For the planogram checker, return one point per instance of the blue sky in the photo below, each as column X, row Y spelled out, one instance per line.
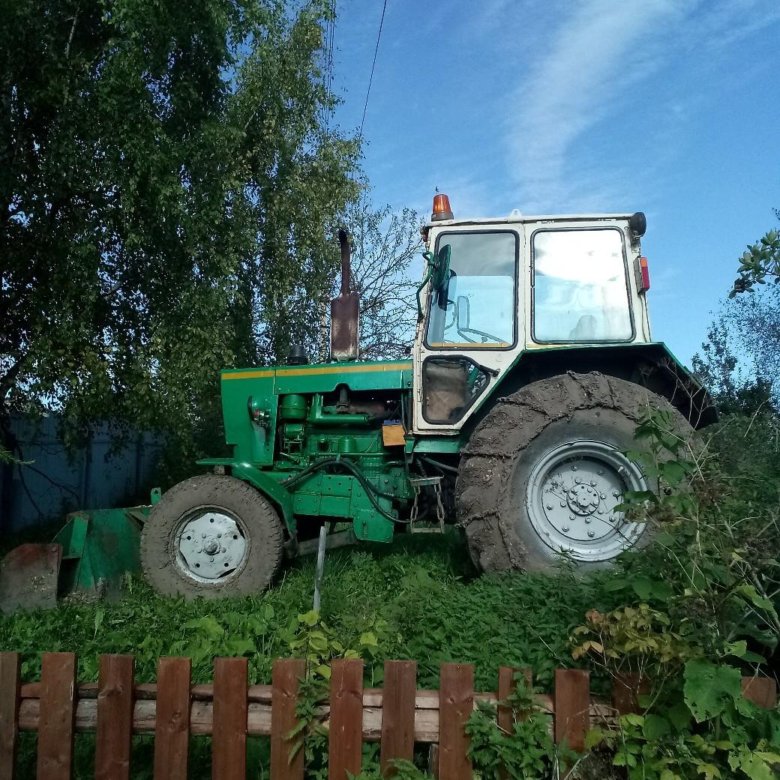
column 671, row 107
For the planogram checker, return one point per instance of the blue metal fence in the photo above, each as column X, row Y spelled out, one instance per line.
column 55, row 481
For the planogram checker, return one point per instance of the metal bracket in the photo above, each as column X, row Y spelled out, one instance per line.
column 418, row 483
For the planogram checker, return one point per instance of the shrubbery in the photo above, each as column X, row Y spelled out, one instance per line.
column 699, row 608
column 692, row 613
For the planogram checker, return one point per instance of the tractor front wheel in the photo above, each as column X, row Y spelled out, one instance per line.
column 211, row 536
column 545, row 472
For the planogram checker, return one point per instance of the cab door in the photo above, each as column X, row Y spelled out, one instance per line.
column 472, row 330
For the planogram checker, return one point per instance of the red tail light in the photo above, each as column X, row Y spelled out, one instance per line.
column 643, row 275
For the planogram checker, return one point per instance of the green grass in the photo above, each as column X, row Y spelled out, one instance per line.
column 419, row 597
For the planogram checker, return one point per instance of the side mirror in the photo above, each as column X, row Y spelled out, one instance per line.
column 441, row 269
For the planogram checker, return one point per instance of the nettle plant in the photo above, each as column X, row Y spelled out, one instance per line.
column 315, row 641
column 525, row 751
column 702, row 726
column 698, row 612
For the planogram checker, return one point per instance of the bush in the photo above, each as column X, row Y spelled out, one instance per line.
column 699, row 609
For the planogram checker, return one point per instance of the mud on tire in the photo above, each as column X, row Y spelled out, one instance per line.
column 519, row 497
column 211, row 536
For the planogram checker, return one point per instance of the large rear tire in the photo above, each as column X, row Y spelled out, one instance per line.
column 211, row 536
column 545, row 469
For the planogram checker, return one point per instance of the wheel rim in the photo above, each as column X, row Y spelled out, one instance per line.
column 572, row 494
column 211, row 545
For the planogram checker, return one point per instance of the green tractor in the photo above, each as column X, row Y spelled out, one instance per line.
column 531, row 366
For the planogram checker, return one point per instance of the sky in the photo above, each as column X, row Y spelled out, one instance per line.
column 671, row 107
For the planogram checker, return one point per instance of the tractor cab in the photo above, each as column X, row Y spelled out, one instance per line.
column 497, row 290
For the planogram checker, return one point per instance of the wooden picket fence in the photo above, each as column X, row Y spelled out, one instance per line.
column 229, row 709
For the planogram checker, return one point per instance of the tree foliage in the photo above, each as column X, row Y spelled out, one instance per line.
column 759, row 262
column 384, row 245
column 740, row 360
column 168, row 186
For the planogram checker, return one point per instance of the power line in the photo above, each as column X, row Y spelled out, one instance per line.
column 330, row 31
column 373, row 65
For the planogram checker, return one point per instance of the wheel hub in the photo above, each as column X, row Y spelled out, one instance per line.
column 572, row 498
column 583, row 499
column 210, row 546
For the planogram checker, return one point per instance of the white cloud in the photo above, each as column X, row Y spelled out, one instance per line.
column 589, row 61
column 583, row 71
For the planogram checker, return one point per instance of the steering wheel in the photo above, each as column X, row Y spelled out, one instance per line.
column 485, row 336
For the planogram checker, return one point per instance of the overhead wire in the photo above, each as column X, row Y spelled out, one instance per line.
column 373, row 66
column 330, row 34
column 330, row 37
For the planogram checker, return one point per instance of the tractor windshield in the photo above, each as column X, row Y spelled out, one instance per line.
column 475, row 307
column 580, row 288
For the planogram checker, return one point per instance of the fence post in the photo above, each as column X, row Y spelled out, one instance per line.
column 345, row 737
column 506, row 687
column 10, row 688
column 762, row 691
column 398, row 702
column 572, row 707
column 626, row 690
column 456, row 702
column 57, row 716
column 114, row 717
column 228, row 746
column 172, row 719
column 287, row 673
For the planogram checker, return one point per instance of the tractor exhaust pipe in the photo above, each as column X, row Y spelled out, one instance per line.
column 345, row 311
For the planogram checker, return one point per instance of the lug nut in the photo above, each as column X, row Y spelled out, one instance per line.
column 591, row 534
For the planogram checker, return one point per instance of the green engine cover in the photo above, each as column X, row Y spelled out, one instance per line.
column 278, row 424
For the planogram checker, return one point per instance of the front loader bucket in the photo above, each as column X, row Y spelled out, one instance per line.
column 92, row 552
column 28, row 577
column 99, row 547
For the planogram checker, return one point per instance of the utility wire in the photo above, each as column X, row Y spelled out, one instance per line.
column 373, row 65
column 330, row 33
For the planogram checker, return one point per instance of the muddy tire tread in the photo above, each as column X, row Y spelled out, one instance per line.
column 491, row 455
column 246, row 502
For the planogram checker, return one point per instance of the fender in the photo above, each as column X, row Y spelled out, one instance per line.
column 278, row 495
column 651, row 365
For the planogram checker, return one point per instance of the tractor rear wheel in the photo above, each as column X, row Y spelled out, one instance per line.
column 546, row 468
column 211, row 536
